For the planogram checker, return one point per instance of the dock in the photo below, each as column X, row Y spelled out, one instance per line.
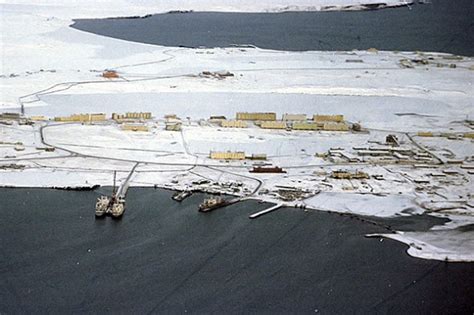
column 268, row 210
column 122, row 190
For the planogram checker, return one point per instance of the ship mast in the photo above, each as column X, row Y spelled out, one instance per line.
column 114, row 188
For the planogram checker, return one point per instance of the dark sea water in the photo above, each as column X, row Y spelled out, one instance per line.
column 165, row 257
column 442, row 26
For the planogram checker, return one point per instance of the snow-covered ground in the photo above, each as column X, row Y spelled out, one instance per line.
column 54, row 70
column 447, row 245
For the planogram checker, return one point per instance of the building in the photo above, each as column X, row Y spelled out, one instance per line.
column 233, row 124
column 171, row 116
column 217, row 119
column 19, row 147
column 348, row 175
column 333, row 126
column 12, row 116
column 381, row 152
column 81, row 118
column 273, row 125
column 47, row 149
column 392, row 140
column 294, row 117
column 307, row 126
column 260, row 156
column 173, row 126
column 333, row 118
column 356, row 127
column 38, row 118
column 354, row 61
column 131, row 115
column 256, row 116
column 227, row 155
column 274, row 169
column 135, row 127
column 110, row 74
column 424, row 134
column 138, row 115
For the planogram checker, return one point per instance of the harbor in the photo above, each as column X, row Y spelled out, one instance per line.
column 181, row 255
column 237, row 157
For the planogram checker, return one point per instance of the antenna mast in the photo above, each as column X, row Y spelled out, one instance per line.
column 115, row 175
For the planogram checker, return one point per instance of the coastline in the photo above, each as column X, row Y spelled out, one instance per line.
column 401, row 93
column 167, row 251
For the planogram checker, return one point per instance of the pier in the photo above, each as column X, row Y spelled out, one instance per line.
column 268, row 210
column 122, row 190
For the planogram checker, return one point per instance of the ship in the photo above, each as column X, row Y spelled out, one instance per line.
column 110, row 205
column 113, row 205
column 118, row 207
column 212, row 203
column 101, row 205
column 181, row 195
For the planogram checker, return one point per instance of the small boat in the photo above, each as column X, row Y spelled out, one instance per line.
column 181, row 195
column 212, row 203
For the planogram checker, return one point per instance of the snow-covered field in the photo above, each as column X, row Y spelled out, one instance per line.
column 55, row 70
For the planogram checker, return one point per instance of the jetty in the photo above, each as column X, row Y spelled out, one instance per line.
column 268, row 210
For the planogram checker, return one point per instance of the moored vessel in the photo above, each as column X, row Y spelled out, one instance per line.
column 181, row 195
column 212, row 203
column 118, row 208
column 101, row 205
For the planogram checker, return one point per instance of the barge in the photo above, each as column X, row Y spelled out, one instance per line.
column 213, row 203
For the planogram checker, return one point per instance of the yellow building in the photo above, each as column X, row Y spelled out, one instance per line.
column 38, row 118
column 258, row 156
column 256, row 116
column 138, row 115
column 424, row 134
column 228, row 155
column 333, row 118
column 233, row 124
column 333, row 126
column 469, row 135
column 81, row 118
column 97, row 117
column 131, row 115
column 135, row 127
column 294, row 117
column 273, row 125
column 307, row 126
